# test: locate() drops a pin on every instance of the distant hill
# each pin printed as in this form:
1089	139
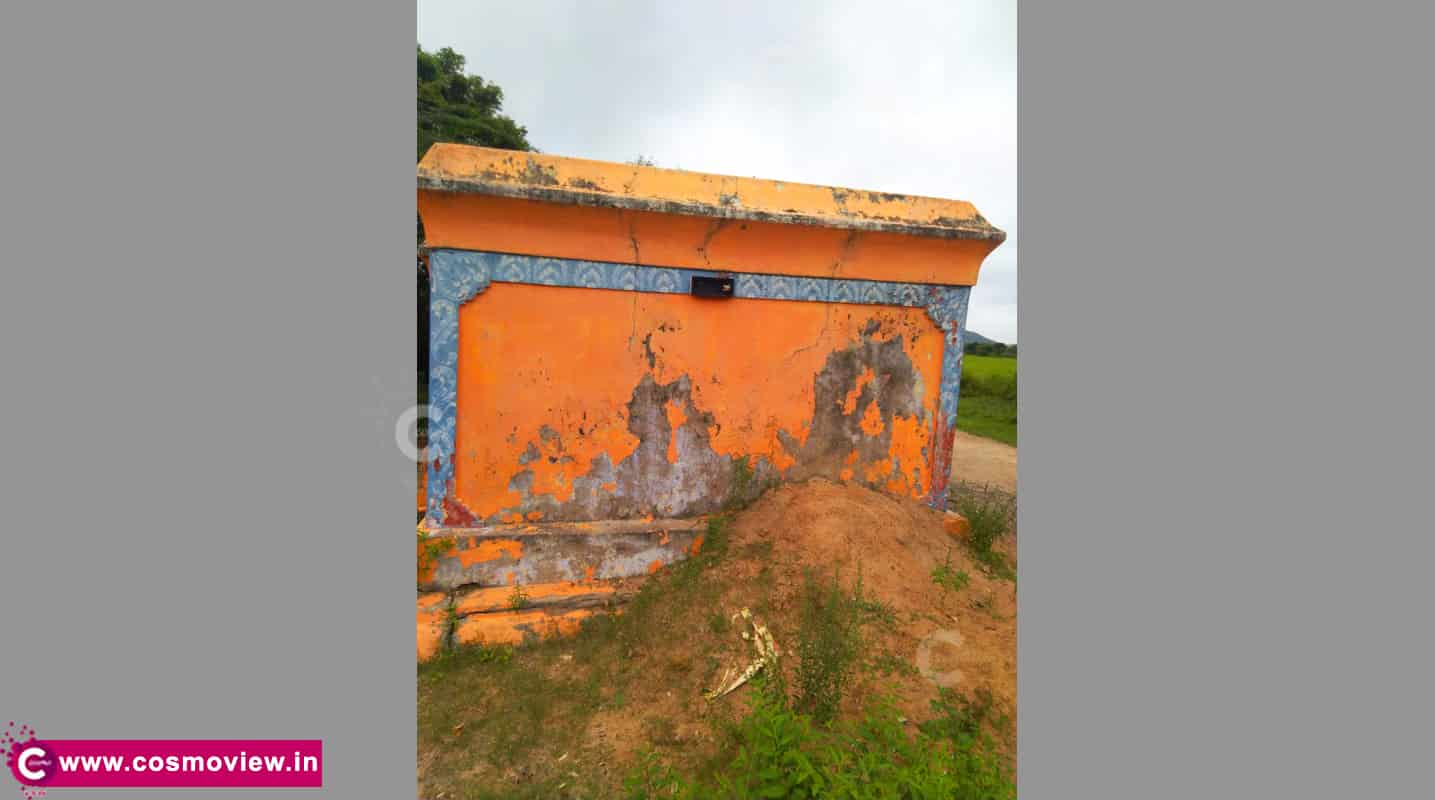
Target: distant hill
975	344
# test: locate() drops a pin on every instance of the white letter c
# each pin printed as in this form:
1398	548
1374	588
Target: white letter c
23	763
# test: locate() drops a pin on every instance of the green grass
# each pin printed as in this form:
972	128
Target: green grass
796	747
990	514
828	647
950	580
783	753
987	406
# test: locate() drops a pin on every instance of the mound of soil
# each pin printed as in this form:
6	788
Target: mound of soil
965	639
894	545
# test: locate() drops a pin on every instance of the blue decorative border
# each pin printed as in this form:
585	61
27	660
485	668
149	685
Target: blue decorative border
457	276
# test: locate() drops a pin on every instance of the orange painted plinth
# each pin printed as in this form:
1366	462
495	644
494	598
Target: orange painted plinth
503	616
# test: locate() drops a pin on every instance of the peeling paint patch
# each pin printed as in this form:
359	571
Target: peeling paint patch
430	549
841	438
849	405
676	419
454	512
490	550
872	423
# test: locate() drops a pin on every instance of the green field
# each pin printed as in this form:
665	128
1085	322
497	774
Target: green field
987	406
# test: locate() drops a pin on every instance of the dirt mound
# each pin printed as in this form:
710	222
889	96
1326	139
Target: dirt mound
965	640
893	545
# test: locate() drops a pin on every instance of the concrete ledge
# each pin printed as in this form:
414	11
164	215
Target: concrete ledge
595	527
499	600
519	627
455	168
507	555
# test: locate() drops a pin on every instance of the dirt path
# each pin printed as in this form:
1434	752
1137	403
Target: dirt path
979	460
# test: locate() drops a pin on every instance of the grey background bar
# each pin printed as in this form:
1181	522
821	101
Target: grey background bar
1224	551
206	327
207	318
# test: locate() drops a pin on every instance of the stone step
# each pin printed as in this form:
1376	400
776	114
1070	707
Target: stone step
565	595
499	615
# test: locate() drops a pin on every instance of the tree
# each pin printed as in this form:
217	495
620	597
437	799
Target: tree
454	107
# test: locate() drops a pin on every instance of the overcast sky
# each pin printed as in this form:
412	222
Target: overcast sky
918	98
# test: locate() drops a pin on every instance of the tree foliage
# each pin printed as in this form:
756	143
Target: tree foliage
455	107
990	349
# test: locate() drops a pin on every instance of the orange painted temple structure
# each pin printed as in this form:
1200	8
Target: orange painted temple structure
617	350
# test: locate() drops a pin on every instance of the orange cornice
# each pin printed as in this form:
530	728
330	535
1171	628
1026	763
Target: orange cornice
506	201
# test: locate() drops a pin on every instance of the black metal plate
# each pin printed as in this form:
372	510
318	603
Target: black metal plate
704	286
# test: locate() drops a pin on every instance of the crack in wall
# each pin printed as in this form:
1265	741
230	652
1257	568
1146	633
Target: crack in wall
712	231
633	239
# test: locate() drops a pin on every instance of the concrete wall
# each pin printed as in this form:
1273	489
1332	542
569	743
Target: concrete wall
575	380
